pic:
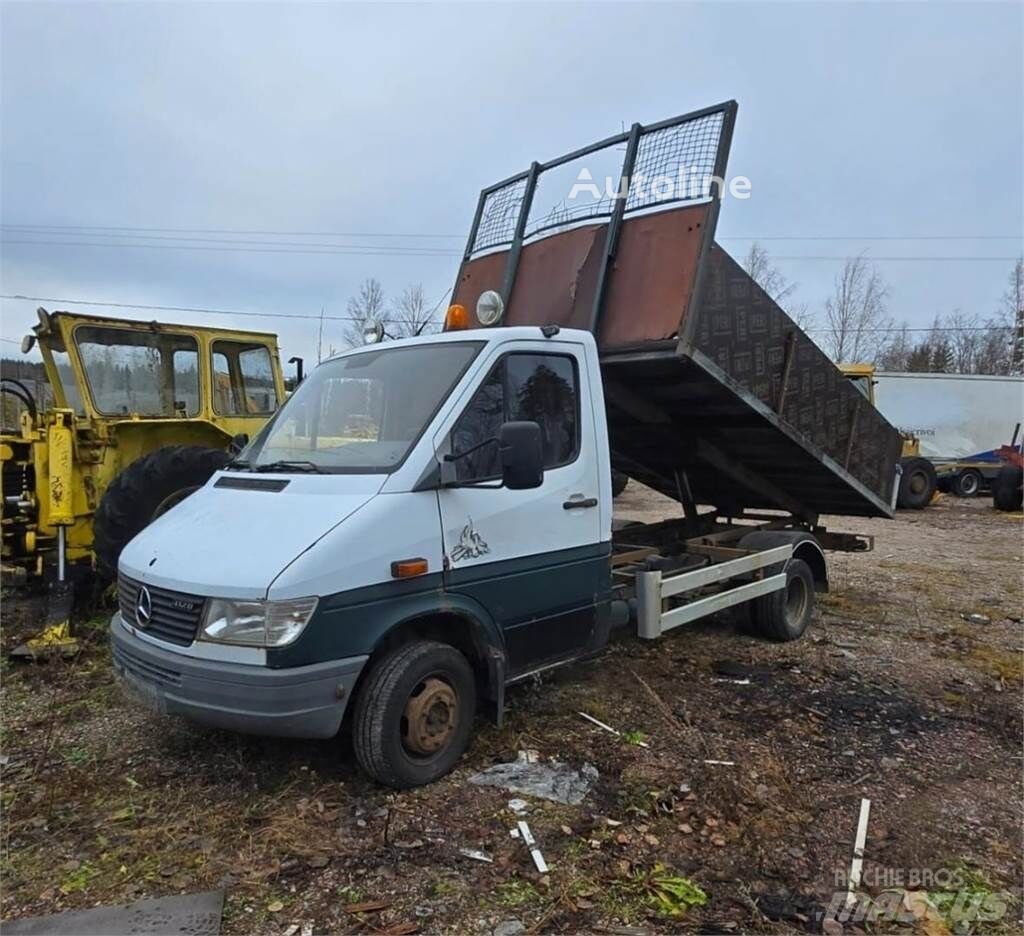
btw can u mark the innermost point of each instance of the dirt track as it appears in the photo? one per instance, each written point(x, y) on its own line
point(894, 694)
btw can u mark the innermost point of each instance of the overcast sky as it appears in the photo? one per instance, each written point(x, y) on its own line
point(374, 127)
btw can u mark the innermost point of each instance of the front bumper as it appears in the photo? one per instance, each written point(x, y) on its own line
point(298, 702)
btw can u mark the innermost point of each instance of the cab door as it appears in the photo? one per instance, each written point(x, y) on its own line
point(533, 558)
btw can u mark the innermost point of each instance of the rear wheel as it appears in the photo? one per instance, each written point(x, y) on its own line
point(414, 714)
point(785, 614)
point(1007, 489)
point(147, 488)
point(967, 483)
point(917, 484)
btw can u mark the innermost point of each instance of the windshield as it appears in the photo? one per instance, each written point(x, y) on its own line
point(364, 412)
point(147, 373)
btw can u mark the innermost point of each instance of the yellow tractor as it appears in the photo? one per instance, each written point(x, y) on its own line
point(142, 415)
point(918, 480)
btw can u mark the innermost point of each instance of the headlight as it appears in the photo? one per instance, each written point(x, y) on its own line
point(256, 623)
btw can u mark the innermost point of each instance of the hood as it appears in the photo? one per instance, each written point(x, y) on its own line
point(232, 541)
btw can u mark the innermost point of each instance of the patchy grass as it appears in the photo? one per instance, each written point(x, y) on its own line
point(656, 890)
point(973, 905)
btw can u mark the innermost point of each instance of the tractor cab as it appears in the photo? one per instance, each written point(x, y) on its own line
point(107, 370)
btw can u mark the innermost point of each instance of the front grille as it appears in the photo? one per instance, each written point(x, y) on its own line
point(175, 616)
point(152, 672)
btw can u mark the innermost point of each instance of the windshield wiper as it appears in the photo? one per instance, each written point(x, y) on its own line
point(239, 465)
point(289, 466)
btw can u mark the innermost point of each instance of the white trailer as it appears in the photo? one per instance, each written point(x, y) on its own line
point(959, 419)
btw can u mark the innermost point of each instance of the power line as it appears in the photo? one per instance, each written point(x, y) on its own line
point(414, 235)
point(204, 311)
point(367, 251)
point(256, 243)
point(159, 230)
point(349, 251)
point(437, 305)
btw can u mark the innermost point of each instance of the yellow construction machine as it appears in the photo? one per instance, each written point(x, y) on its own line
point(919, 480)
point(142, 414)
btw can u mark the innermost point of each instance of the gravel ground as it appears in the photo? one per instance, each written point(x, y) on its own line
point(895, 693)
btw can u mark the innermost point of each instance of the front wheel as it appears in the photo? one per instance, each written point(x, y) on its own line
point(414, 714)
point(785, 614)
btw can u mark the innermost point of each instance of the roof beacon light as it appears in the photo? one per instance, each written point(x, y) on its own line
point(373, 333)
point(456, 319)
point(489, 307)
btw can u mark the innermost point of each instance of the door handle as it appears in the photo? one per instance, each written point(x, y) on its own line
point(580, 503)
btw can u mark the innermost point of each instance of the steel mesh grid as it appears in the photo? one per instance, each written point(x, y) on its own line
point(691, 146)
point(499, 216)
point(563, 214)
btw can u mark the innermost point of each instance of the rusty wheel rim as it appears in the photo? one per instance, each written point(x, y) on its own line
point(430, 717)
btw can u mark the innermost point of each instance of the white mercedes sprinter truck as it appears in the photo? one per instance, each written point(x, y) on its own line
point(421, 523)
point(426, 521)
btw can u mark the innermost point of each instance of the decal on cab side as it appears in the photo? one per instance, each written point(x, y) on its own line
point(471, 545)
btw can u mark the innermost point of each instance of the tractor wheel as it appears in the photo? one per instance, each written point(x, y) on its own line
point(1007, 491)
point(148, 487)
point(917, 484)
point(619, 482)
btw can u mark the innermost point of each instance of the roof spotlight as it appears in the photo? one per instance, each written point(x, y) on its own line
point(489, 307)
point(373, 333)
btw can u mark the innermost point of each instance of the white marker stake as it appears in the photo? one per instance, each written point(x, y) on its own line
point(538, 859)
point(857, 865)
point(601, 724)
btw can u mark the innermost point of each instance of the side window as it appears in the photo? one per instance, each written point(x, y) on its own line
point(257, 380)
point(541, 388)
point(186, 381)
point(243, 379)
point(223, 398)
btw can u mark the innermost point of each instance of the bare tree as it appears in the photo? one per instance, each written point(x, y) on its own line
point(410, 316)
point(855, 314)
point(365, 307)
point(1012, 311)
point(766, 274)
point(957, 343)
point(758, 263)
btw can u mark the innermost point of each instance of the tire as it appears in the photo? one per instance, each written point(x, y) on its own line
point(1007, 490)
point(967, 483)
point(147, 488)
point(619, 482)
point(785, 614)
point(384, 737)
point(917, 484)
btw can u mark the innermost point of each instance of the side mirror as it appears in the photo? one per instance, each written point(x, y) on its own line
point(521, 449)
point(238, 443)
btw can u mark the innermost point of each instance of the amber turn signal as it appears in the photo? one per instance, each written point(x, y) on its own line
point(456, 318)
point(407, 568)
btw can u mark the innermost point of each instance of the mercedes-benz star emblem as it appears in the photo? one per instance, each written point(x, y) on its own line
point(143, 608)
